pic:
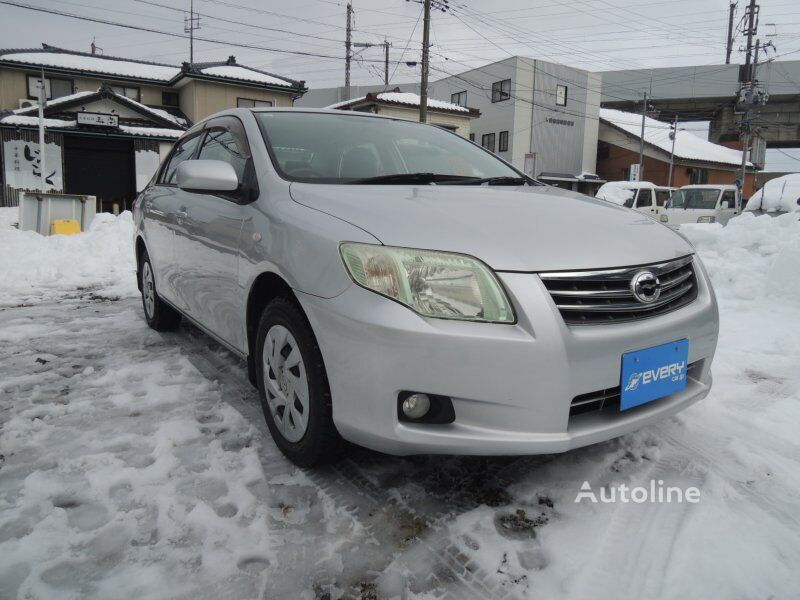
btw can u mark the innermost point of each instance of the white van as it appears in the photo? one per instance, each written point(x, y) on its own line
point(702, 204)
point(642, 196)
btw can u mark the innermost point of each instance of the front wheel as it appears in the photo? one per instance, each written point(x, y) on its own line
point(159, 315)
point(294, 389)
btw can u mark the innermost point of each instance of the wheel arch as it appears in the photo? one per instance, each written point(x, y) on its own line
point(141, 248)
point(265, 288)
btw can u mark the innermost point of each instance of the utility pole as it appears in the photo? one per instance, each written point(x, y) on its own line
point(749, 97)
point(386, 45)
point(729, 49)
point(191, 23)
point(752, 18)
point(42, 162)
point(641, 140)
point(673, 133)
point(348, 49)
point(423, 86)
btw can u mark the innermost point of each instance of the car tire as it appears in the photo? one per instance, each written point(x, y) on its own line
point(294, 390)
point(158, 314)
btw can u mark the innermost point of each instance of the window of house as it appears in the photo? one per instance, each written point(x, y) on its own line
point(170, 99)
point(221, 145)
point(459, 98)
point(472, 137)
point(502, 142)
point(561, 95)
point(699, 176)
point(250, 103)
point(487, 141)
point(128, 92)
point(53, 87)
point(183, 151)
point(501, 90)
point(645, 198)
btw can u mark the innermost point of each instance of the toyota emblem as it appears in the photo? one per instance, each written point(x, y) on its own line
point(646, 287)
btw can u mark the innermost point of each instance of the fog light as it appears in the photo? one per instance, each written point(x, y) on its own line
point(416, 406)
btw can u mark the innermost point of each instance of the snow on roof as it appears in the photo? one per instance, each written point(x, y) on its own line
point(619, 192)
point(781, 194)
point(244, 74)
point(53, 102)
point(95, 64)
point(34, 121)
point(407, 98)
point(687, 145)
point(159, 112)
point(152, 131)
point(24, 121)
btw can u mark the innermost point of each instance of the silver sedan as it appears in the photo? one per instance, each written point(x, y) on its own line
point(392, 284)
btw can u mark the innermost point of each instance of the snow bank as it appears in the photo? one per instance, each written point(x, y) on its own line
point(779, 194)
point(618, 192)
point(99, 261)
point(752, 258)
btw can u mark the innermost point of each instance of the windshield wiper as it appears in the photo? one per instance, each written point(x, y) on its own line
point(400, 178)
point(505, 180)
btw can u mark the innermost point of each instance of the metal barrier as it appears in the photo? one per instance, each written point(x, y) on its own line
point(37, 211)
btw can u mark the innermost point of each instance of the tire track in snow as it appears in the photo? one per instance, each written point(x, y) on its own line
point(635, 551)
point(373, 506)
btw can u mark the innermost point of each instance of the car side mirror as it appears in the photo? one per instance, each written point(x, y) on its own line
point(724, 205)
point(207, 176)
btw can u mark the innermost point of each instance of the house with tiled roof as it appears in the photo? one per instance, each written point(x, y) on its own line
point(109, 120)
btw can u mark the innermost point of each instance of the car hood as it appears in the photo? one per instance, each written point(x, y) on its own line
point(510, 228)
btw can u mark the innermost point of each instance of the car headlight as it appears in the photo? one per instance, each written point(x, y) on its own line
point(443, 285)
point(706, 219)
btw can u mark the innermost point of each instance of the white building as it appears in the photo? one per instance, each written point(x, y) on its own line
point(540, 116)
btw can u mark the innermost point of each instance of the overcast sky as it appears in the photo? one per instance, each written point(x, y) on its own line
point(590, 34)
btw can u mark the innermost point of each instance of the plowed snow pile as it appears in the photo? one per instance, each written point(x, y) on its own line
point(34, 267)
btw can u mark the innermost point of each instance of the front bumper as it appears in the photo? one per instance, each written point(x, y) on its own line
point(511, 385)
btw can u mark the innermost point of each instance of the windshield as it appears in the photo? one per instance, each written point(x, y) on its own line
point(695, 198)
point(331, 148)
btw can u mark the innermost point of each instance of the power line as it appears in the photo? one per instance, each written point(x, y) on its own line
point(224, 20)
point(171, 34)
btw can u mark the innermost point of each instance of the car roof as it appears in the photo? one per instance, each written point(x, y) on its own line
point(709, 186)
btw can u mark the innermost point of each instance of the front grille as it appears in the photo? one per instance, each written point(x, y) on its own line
point(609, 399)
point(605, 296)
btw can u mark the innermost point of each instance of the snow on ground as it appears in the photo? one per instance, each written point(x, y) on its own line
point(36, 268)
point(135, 464)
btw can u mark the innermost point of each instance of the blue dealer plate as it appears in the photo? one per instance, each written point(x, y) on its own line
point(653, 373)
